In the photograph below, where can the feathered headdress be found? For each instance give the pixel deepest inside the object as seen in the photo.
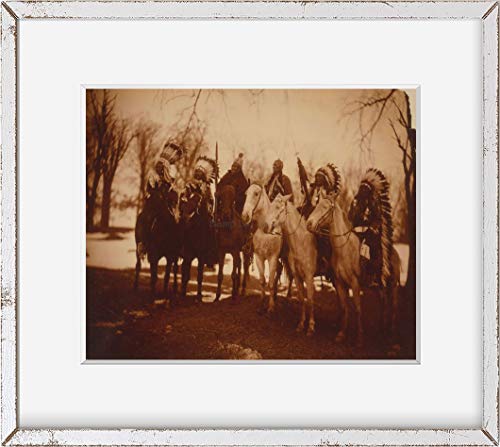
(208, 166)
(171, 152)
(331, 174)
(378, 183)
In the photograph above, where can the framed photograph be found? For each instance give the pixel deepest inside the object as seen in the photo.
(249, 223)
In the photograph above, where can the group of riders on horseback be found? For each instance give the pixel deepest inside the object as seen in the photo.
(181, 218)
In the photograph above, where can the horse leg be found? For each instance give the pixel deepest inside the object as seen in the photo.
(310, 299)
(289, 273)
(220, 274)
(275, 280)
(166, 278)
(235, 275)
(302, 296)
(175, 262)
(262, 278)
(137, 270)
(359, 314)
(342, 293)
(273, 267)
(153, 266)
(201, 264)
(246, 267)
(395, 346)
(186, 272)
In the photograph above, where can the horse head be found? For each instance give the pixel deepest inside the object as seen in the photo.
(253, 200)
(276, 215)
(322, 213)
(190, 203)
(226, 199)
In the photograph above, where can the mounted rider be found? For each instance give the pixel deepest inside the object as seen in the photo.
(327, 181)
(237, 179)
(278, 183)
(205, 172)
(164, 172)
(159, 182)
(366, 214)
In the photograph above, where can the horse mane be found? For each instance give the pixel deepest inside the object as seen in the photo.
(379, 185)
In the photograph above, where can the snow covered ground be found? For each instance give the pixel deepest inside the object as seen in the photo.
(117, 251)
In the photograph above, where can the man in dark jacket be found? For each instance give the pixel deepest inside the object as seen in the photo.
(279, 183)
(237, 179)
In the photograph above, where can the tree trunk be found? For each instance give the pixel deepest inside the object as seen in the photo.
(106, 202)
(91, 202)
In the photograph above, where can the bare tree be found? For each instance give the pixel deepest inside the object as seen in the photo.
(100, 120)
(121, 137)
(393, 106)
(146, 149)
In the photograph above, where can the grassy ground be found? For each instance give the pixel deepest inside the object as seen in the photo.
(121, 324)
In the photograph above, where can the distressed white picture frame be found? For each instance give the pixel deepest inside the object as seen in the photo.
(13, 12)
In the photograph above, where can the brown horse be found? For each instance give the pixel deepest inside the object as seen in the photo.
(302, 256)
(198, 239)
(159, 235)
(231, 236)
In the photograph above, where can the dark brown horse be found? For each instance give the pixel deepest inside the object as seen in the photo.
(198, 237)
(371, 209)
(231, 236)
(159, 235)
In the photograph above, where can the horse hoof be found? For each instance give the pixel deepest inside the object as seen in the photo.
(340, 338)
(310, 332)
(300, 328)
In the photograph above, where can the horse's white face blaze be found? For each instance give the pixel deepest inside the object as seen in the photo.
(277, 213)
(252, 196)
(320, 215)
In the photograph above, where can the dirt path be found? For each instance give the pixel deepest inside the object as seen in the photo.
(121, 325)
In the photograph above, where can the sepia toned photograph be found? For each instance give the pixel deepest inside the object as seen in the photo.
(251, 224)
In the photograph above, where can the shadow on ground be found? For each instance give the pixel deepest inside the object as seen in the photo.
(123, 324)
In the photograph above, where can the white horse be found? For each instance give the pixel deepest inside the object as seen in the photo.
(302, 255)
(266, 247)
(345, 257)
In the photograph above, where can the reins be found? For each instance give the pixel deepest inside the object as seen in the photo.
(324, 232)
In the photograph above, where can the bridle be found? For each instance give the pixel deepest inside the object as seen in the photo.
(324, 232)
(285, 210)
(258, 200)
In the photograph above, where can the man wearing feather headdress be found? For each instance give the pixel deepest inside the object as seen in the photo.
(370, 214)
(237, 179)
(326, 181)
(161, 178)
(205, 172)
(164, 170)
